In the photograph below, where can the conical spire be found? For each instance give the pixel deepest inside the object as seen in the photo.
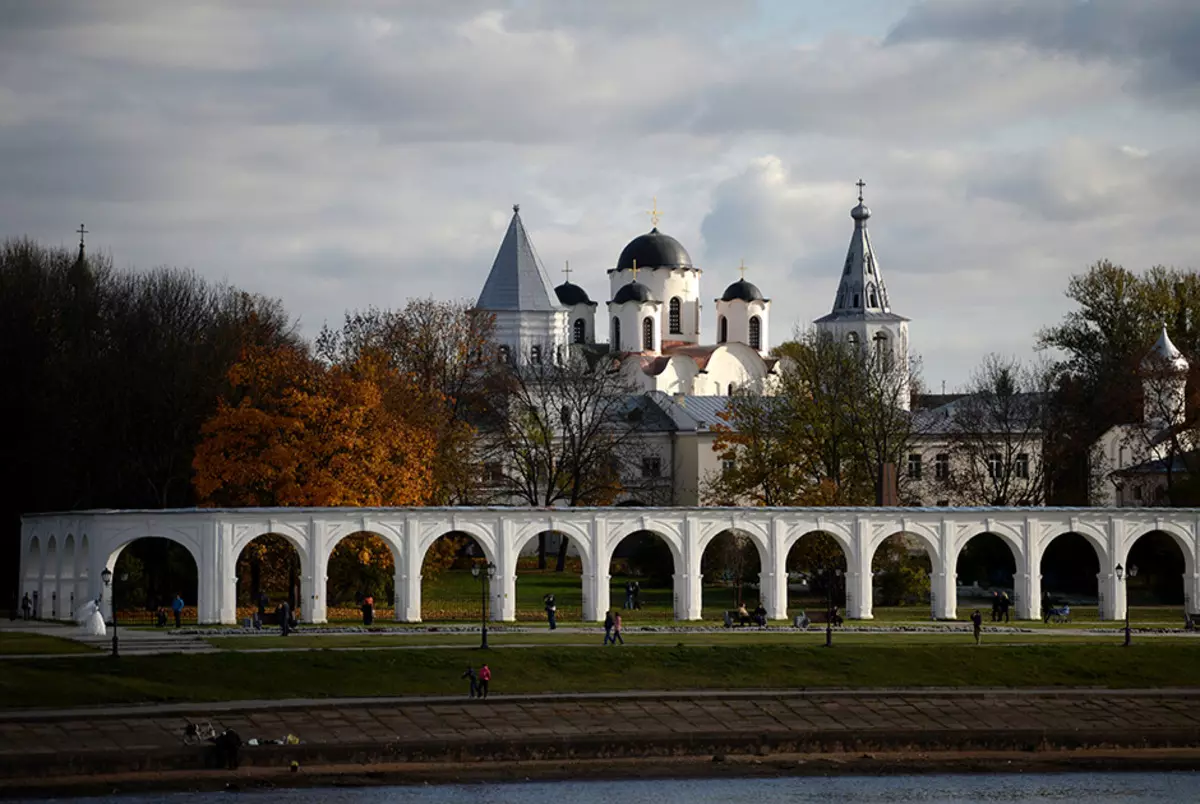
(861, 290)
(518, 281)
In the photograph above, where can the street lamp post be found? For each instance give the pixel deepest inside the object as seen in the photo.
(830, 575)
(1121, 575)
(106, 576)
(484, 573)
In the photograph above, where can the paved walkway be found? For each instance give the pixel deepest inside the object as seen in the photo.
(622, 716)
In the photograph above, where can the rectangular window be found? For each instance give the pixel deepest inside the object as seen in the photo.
(941, 466)
(652, 466)
(493, 473)
(1137, 493)
(914, 466)
(726, 467)
(1021, 468)
(995, 466)
(535, 355)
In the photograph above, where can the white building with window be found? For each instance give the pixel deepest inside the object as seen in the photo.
(654, 317)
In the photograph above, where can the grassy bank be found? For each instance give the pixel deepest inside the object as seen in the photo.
(15, 643)
(246, 675)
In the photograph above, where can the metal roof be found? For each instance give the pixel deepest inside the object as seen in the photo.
(861, 293)
(518, 280)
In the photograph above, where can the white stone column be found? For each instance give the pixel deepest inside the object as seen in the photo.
(1027, 596)
(689, 600)
(503, 588)
(774, 580)
(226, 600)
(314, 577)
(1191, 592)
(943, 595)
(596, 581)
(408, 575)
(1112, 596)
(858, 595)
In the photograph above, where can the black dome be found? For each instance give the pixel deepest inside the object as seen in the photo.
(654, 250)
(743, 290)
(634, 291)
(571, 294)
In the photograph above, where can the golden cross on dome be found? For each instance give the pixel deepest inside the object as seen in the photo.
(742, 268)
(635, 270)
(654, 213)
(860, 184)
(567, 270)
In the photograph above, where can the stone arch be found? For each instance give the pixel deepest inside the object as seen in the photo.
(1095, 536)
(1005, 537)
(1180, 539)
(125, 597)
(349, 579)
(902, 578)
(1179, 535)
(532, 583)
(756, 531)
(1056, 588)
(746, 569)
(245, 579)
(668, 534)
(68, 555)
(485, 540)
(1004, 532)
(649, 595)
(841, 538)
(451, 593)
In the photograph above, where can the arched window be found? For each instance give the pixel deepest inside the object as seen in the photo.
(852, 339)
(675, 320)
(874, 296)
(722, 330)
(883, 352)
(732, 388)
(535, 355)
(579, 331)
(647, 334)
(616, 335)
(755, 333)
(503, 353)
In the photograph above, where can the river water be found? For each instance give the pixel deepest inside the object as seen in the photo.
(1101, 788)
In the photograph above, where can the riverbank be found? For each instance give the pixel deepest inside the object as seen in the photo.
(414, 740)
(613, 769)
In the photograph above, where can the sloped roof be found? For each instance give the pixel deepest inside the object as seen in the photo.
(518, 280)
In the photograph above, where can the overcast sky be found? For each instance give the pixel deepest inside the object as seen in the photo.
(344, 154)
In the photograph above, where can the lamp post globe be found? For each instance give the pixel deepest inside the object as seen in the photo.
(1122, 575)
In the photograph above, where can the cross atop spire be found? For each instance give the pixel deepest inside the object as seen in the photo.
(82, 231)
(742, 267)
(654, 213)
(567, 270)
(861, 184)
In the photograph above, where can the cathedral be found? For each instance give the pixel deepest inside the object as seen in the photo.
(655, 314)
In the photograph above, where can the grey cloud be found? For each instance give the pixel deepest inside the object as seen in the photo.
(1157, 37)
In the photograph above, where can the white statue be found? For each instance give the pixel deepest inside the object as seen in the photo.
(90, 619)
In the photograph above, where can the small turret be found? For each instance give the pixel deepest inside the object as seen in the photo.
(1164, 372)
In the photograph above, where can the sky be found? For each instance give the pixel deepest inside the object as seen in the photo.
(339, 155)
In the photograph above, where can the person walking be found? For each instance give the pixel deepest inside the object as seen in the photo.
(368, 611)
(637, 595)
(26, 607)
(285, 618)
(177, 607)
(470, 676)
(1005, 604)
(977, 625)
(485, 677)
(629, 595)
(609, 622)
(551, 611)
(617, 629)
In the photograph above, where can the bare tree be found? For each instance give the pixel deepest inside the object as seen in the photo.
(567, 433)
(996, 435)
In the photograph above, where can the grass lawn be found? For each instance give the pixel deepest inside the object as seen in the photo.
(318, 674)
(15, 643)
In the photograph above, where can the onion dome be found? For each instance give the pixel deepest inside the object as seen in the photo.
(654, 250)
(742, 290)
(634, 291)
(1164, 356)
(860, 212)
(571, 294)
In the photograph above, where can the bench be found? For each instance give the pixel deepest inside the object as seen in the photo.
(735, 620)
(822, 618)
